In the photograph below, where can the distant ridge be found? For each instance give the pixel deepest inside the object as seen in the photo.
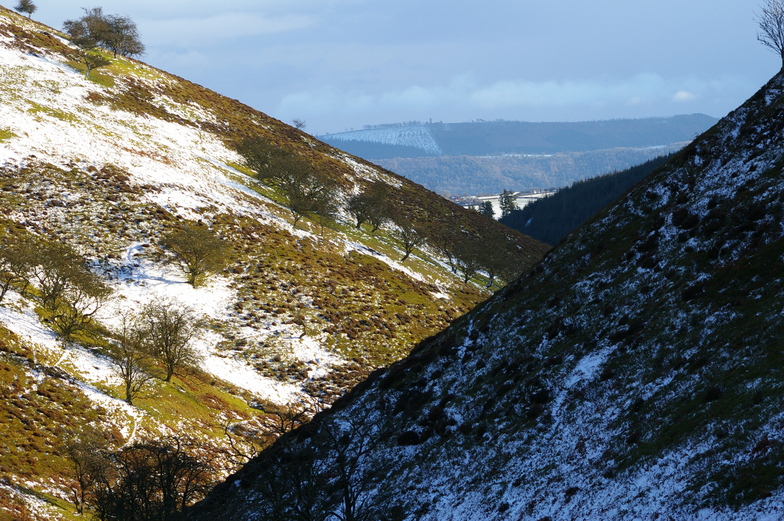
(478, 138)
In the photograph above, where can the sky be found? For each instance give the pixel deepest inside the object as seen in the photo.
(339, 65)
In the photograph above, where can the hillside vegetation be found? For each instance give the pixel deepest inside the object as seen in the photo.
(635, 373)
(551, 218)
(480, 175)
(488, 157)
(100, 179)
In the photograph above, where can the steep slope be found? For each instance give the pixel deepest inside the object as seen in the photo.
(634, 374)
(551, 218)
(108, 167)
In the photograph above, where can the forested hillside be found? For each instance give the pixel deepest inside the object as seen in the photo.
(478, 175)
(488, 138)
(480, 158)
(549, 219)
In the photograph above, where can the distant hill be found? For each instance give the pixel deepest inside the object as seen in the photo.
(480, 175)
(516, 137)
(551, 218)
(489, 156)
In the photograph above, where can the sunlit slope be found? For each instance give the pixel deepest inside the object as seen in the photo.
(111, 165)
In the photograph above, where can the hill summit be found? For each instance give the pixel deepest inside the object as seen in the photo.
(634, 374)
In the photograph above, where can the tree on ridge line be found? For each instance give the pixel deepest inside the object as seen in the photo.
(26, 6)
(771, 24)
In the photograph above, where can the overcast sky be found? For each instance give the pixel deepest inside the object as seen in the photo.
(342, 64)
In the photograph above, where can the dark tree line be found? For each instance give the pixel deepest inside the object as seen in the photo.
(550, 219)
(150, 480)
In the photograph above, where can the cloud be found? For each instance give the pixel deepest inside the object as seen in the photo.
(683, 96)
(465, 92)
(203, 32)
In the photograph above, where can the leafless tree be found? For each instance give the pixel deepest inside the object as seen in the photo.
(308, 190)
(131, 360)
(95, 29)
(86, 451)
(16, 261)
(408, 235)
(198, 250)
(371, 206)
(263, 157)
(169, 329)
(88, 33)
(771, 24)
(469, 254)
(299, 123)
(70, 290)
(122, 36)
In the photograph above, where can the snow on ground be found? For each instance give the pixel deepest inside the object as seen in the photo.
(141, 282)
(418, 136)
(16, 315)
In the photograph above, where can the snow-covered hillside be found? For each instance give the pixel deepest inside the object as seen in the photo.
(417, 136)
(110, 165)
(634, 374)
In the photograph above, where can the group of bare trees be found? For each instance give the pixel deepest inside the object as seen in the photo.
(327, 473)
(67, 288)
(161, 333)
(150, 480)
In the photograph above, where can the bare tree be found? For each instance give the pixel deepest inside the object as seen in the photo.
(80, 301)
(70, 290)
(131, 358)
(26, 6)
(371, 206)
(262, 157)
(469, 253)
(771, 24)
(198, 250)
(169, 330)
(16, 261)
(299, 123)
(95, 29)
(310, 192)
(122, 36)
(86, 451)
(408, 235)
(88, 33)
